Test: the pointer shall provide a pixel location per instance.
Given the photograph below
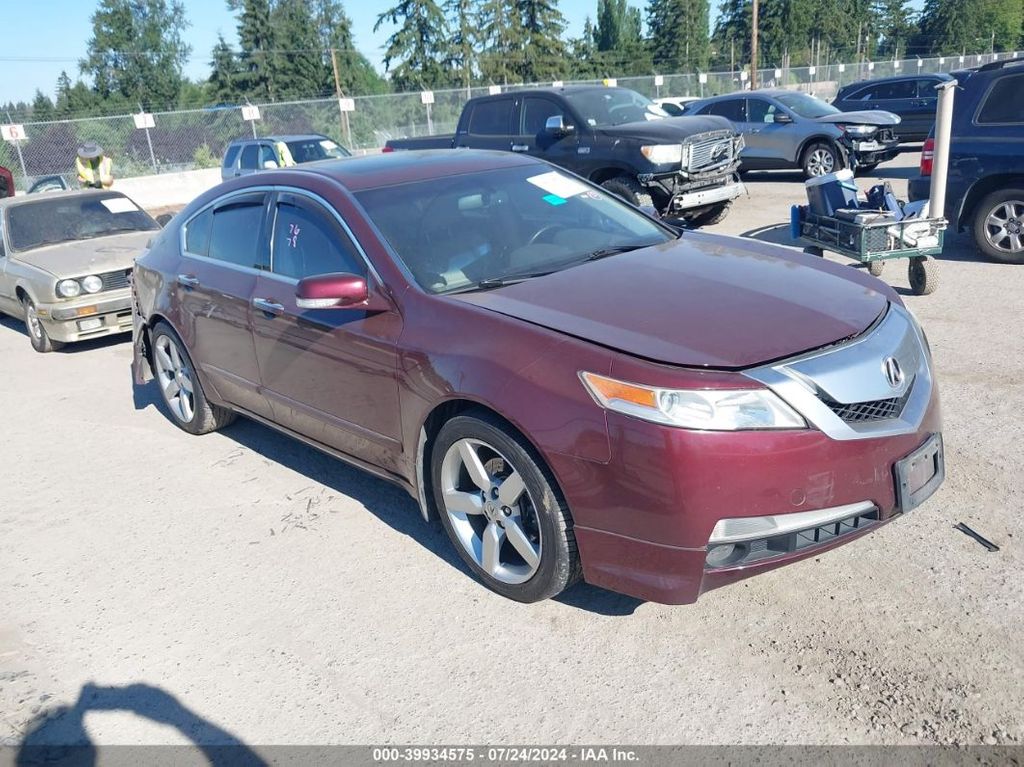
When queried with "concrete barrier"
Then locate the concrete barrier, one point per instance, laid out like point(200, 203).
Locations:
point(168, 189)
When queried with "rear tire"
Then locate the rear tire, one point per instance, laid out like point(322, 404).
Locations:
point(714, 215)
point(820, 159)
point(628, 189)
point(922, 272)
point(999, 226)
point(37, 334)
point(521, 545)
point(180, 387)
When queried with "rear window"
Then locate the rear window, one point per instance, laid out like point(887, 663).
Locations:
point(249, 157)
point(1004, 103)
point(731, 110)
point(491, 118)
point(235, 233)
point(232, 155)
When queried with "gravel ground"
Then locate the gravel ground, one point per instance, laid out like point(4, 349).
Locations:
point(242, 585)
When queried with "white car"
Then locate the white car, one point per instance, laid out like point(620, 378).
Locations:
point(675, 105)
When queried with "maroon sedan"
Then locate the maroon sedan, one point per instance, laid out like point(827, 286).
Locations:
point(573, 388)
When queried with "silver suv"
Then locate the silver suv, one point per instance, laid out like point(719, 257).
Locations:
point(246, 156)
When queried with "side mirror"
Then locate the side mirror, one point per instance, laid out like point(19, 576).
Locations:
point(555, 126)
point(650, 211)
point(332, 291)
point(270, 164)
point(781, 118)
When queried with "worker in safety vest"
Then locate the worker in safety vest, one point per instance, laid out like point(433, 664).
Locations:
point(95, 170)
point(284, 155)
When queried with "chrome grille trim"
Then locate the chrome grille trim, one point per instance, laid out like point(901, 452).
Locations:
point(850, 373)
point(702, 148)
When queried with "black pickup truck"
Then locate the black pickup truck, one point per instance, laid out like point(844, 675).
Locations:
point(685, 167)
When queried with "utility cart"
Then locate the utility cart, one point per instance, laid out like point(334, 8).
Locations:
point(874, 243)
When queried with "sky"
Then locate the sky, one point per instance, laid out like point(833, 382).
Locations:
point(51, 35)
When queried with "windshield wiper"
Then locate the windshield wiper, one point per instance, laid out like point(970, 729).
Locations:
point(614, 251)
point(500, 282)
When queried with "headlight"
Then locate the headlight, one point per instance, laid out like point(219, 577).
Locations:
point(68, 288)
point(710, 410)
point(92, 284)
point(663, 154)
point(860, 130)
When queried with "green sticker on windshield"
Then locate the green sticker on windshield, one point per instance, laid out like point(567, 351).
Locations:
point(554, 199)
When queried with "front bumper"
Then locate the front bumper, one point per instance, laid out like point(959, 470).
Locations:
point(874, 152)
point(710, 196)
point(86, 317)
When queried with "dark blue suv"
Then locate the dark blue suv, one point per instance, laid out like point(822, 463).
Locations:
point(985, 186)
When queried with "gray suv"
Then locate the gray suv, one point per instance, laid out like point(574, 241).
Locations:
point(245, 156)
point(789, 129)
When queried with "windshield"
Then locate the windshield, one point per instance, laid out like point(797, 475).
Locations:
point(454, 233)
point(604, 107)
point(313, 149)
point(64, 219)
point(803, 105)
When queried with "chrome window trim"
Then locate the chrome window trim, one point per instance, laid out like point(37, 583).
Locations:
point(896, 331)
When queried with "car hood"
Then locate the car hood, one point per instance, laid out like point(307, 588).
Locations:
point(865, 117)
point(700, 301)
point(667, 130)
point(82, 257)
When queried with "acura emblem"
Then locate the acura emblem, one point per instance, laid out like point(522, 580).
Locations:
point(893, 372)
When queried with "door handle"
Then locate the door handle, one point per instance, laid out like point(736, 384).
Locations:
point(520, 147)
point(268, 306)
point(188, 280)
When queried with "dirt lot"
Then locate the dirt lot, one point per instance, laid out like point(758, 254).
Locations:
point(243, 585)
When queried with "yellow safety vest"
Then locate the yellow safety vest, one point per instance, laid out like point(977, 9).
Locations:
point(91, 172)
point(285, 159)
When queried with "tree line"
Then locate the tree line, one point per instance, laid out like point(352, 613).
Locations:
point(291, 49)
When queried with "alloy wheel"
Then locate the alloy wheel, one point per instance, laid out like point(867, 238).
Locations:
point(175, 378)
point(491, 511)
point(1004, 226)
point(35, 327)
point(821, 162)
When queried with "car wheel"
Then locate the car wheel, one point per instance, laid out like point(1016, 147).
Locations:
point(629, 189)
point(999, 226)
point(820, 159)
point(814, 250)
point(714, 215)
point(868, 168)
point(502, 510)
point(37, 334)
point(876, 267)
point(922, 272)
point(180, 386)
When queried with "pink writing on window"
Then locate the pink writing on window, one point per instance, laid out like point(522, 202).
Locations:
point(293, 235)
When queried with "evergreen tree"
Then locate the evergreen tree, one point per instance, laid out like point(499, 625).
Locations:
point(462, 42)
point(137, 52)
point(731, 38)
point(543, 50)
point(256, 40)
point(42, 107)
point(299, 62)
point(500, 40)
point(355, 73)
point(414, 54)
point(952, 26)
point(893, 25)
point(678, 34)
point(222, 86)
point(621, 49)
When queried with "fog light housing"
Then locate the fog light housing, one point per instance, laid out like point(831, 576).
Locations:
point(725, 554)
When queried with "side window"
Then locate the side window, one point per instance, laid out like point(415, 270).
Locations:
point(1004, 103)
point(901, 89)
point(536, 113)
point(308, 241)
point(926, 89)
point(864, 94)
point(267, 154)
point(3, 250)
point(760, 111)
point(197, 233)
point(235, 232)
point(731, 109)
point(491, 118)
point(249, 156)
point(232, 155)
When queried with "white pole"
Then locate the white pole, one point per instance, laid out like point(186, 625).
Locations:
point(943, 131)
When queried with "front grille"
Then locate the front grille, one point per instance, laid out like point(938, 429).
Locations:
point(710, 150)
point(749, 552)
point(884, 135)
point(873, 410)
point(115, 280)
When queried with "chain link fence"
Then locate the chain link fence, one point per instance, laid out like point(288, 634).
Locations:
point(194, 139)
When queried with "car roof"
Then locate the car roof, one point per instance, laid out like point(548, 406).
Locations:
point(8, 202)
point(747, 94)
point(282, 137)
point(358, 174)
point(897, 78)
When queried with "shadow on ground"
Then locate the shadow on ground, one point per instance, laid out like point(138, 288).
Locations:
point(17, 326)
point(58, 736)
point(386, 501)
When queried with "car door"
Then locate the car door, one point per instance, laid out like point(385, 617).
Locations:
point(532, 137)
point(489, 125)
point(8, 300)
point(249, 161)
point(224, 248)
point(330, 374)
point(919, 118)
point(775, 142)
point(735, 110)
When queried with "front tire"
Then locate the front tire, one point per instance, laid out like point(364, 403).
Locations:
point(628, 189)
point(714, 215)
point(37, 334)
point(999, 226)
point(182, 392)
point(820, 159)
point(502, 510)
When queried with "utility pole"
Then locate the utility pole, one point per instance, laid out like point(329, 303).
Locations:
point(338, 92)
point(753, 48)
point(732, 56)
